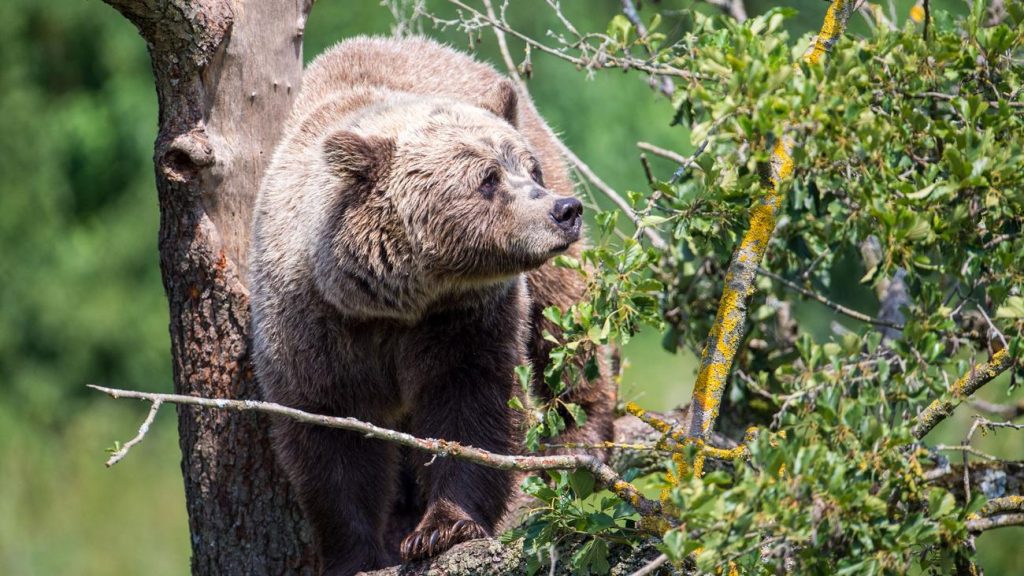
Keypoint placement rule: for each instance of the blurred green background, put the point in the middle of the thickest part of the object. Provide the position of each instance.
(80, 294)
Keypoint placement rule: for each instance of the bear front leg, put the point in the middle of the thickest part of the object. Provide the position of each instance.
(345, 484)
(466, 403)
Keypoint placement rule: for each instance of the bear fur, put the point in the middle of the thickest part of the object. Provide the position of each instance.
(398, 273)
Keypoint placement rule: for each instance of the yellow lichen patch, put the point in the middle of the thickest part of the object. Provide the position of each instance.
(654, 525)
(831, 29)
(627, 492)
(725, 453)
(635, 410)
(698, 464)
(782, 164)
(917, 13)
(1013, 503)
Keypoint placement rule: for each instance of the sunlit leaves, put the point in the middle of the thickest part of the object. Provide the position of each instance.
(909, 173)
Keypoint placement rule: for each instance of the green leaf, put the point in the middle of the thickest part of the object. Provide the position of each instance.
(940, 502)
(619, 28)
(524, 374)
(923, 192)
(582, 483)
(579, 415)
(1012, 308)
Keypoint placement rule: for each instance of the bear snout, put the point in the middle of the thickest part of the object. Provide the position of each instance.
(567, 214)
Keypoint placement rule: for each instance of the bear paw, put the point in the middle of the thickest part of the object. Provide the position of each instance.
(432, 538)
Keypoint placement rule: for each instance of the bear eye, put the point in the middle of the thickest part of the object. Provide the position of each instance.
(490, 184)
(536, 174)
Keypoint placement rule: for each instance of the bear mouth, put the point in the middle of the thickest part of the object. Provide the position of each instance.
(569, 240)
(560, 248)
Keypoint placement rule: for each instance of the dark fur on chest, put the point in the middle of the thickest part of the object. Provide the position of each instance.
(448, 375)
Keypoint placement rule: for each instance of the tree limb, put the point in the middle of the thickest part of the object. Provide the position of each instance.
(969, 383)
(1001, 521)
(730, 321)
(603, 473)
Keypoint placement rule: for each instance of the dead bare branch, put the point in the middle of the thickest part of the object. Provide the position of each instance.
(833, 305)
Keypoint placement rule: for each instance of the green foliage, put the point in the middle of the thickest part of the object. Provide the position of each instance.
(909, 178)
(623, 296)
(572, 516)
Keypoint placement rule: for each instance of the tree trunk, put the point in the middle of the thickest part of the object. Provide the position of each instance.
(226, 73)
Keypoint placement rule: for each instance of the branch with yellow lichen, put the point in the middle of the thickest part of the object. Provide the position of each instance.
(998, 513)
(969, 383)
(728, 329)
(603, 473)
(675, 440)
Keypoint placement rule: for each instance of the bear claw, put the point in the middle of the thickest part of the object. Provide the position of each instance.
(435, 538)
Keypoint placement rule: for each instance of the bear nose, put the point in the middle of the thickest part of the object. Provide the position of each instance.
(567, 213)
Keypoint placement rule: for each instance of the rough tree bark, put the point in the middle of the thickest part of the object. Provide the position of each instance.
(226, 73)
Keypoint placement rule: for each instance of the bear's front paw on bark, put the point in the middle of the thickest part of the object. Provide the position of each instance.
(432, 537)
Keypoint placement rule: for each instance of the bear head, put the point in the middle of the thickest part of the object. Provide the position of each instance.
(433, 197)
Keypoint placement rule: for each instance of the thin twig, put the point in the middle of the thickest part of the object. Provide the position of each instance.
(444, 448)
(685, 162)
(950, 97)
(651, 566)
(734, 8)
(663, 83)
(967, 449)
(607, 60)
(996, 240)
(874, 15)
(1005, 411)
(985, 423)
(143, 430)
(966, 461)
(833, 305)
(652, 235)
(992, 327)
(658, 151)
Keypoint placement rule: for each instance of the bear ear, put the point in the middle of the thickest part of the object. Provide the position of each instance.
(503, 101)
(365, 157)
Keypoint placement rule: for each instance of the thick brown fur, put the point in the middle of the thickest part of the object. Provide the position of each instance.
(399, 270)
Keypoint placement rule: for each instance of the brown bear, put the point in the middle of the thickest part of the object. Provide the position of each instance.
(399, 270)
